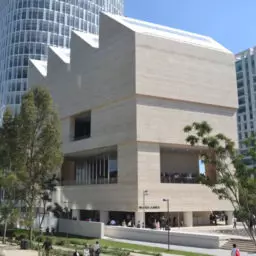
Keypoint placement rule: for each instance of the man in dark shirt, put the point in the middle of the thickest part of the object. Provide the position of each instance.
(47, 246)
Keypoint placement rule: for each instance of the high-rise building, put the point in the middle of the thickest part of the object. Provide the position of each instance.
(246, 88)
(28, 27)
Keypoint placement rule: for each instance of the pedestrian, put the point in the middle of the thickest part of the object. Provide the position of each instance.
(234, 222)
(96, 249)
(47, 246)
(76, 253)
(226, 219)
(235, 251)
(86, 250)
(91, 250)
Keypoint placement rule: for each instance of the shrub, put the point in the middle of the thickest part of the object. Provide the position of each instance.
(52, 239)
(62, 242)
(21, 234)
(77, 241)
(40, 239)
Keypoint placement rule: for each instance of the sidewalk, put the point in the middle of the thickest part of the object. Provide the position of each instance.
(215, 252)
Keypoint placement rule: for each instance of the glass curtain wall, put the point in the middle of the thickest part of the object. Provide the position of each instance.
(101, 169)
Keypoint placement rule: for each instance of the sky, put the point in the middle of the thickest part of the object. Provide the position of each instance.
(230, 22)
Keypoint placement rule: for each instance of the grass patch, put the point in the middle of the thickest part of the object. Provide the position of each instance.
(77, 242)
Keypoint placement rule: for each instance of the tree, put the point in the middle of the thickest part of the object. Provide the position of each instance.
(8, 207)
(8, 177)
(46, 197)
(60, 212)
(39, 147)
(235, 181)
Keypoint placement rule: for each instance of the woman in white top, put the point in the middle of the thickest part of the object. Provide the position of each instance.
(86, 251)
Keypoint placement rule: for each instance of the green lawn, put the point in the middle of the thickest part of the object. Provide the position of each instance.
(145, 248)
(73, 242)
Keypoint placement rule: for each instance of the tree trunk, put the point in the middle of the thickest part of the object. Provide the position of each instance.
(42, 220)
(5, 229)
(31, 222)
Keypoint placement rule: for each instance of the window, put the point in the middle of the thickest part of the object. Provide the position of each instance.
(239, 75)
(241, 109)
(238, 66)
(241, 101)
(240, 92)
(82, 129)
(97, 169)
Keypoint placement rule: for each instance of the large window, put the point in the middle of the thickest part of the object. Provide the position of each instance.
(100, 169)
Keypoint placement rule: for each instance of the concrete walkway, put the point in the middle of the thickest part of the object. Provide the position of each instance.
(215, 252)
(20, 253)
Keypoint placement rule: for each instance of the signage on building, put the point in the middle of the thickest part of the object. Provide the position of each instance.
(149, 207)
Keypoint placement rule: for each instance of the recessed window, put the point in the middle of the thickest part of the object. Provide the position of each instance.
(82, 126)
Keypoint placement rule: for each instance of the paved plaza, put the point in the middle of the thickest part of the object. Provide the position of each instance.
(20, 253)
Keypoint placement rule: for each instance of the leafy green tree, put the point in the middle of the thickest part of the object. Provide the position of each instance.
(234, 181)
(39, 146)
(46, 197)
(9, 212)
(9, 182)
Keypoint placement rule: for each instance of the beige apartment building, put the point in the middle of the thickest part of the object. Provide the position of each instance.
(124, 98)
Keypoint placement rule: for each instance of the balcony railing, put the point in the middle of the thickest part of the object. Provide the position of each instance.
(100, 181)
(188, 178)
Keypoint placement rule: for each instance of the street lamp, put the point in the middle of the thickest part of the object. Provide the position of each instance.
(145, 193)
(168, 220)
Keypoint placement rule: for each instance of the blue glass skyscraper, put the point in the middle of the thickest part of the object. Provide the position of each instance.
(28, 27)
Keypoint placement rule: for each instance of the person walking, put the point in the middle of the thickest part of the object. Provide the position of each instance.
(235, 251)
(47, 246)
(234, 222)
(226, 219)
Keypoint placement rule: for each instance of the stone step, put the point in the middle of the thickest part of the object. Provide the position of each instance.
(243, 245)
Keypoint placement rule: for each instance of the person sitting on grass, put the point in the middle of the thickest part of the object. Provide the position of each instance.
(86, 250)
(96, 249)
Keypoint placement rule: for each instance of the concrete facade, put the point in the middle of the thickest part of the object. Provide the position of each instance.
(141, 88)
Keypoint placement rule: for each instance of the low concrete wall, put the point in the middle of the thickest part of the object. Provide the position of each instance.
(82, 228)
(158, 236)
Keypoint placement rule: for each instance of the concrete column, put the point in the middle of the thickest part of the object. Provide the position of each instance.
(56, 195)
(230, 217)
(76, 214)
(139, 217)
(188, 219)
(104, 217)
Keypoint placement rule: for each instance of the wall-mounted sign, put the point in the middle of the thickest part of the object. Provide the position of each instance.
(149, 207)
